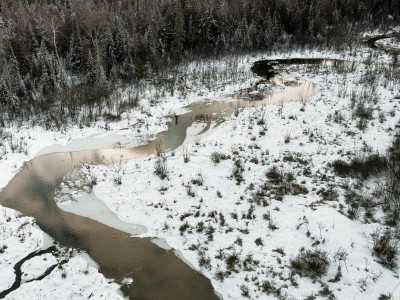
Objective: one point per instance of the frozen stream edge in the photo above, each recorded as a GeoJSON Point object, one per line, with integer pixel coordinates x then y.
{"type": "Point", "coordinates": [90, 206]}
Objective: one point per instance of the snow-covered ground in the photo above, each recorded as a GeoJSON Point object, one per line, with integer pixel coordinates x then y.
{"type": "Point", "coordinates": [241, 228]}
{"type": "Point", "coordinates": [232, 219]}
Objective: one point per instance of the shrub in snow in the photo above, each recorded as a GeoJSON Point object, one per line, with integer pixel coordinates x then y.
{"type": "Point", "coordinates": [360, 166]}
{"type": "Point", "coordinates": [385, 246]}
{"type": "Point", "coordinates": [216, 157]}
{"type": "Point", "coordinates": [311, 263]}
{"type": "Point", "coordinates": [160, 168]}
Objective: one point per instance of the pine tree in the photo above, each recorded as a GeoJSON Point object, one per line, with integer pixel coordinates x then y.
{"type": "Point", "coordinates": [122, 46]}
{"type": "Point", "coordinates": [139, 55]}
{"type": "Point", "coordinates": [179, 28]}
{"type": "Point", "coordinates": [75, 53]}
{"type": "Point", "coordinates": [152, 40]}
{"type": "Point", "coordinates": [101, 78]}
{"type": "Point", "coordinates": [154, 34]}
{"type": "Point", "coordinates": [16, 79]}
{"type": "Point", "coordinates": [44, 65]}
{"type": "Point", "coordinates": [4, 92]}
{"type": "Point", "coordinates": [108, 51]}
{"type": "Point", "coordinates": [91, 68]}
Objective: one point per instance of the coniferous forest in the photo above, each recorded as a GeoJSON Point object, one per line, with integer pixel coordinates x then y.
{"type": "Point", "coordinates": [58, 55]}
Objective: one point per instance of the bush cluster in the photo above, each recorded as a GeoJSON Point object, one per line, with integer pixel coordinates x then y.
{"type": "Point", "coordinates": [311, 263]}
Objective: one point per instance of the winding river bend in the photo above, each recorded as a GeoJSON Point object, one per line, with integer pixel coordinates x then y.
{"type": "Point", "coordinates": [157, 273]}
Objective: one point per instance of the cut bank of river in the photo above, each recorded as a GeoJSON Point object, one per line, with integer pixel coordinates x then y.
{"type": "Point", "coordinates": [157, 273]}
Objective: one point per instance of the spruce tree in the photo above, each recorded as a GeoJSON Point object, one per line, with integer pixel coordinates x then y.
{"type": "Point", "coordinates": [75, 53]}
{"type": "Point", "coordinates": [91, 68]}
{"type": "Point", "coordinates": [179, 29]}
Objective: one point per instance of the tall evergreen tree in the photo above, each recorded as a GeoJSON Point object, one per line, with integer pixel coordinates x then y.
{"type": "Point", "coordinates": [91, 68]}
{"type": "Point", "coordinates": [75, 53]}
{"type": "Point", "coordinates": [179, 28]}
{"type": "Point", "coordinates": [122, 45]}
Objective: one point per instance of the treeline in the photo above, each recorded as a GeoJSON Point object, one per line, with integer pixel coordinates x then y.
{"type": "Point", "coordinates": [57, 55]}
